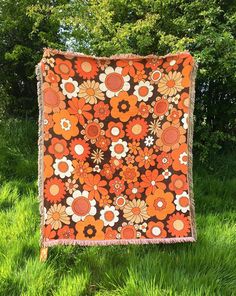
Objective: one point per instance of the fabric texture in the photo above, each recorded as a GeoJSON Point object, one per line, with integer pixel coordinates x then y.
{"type": "Point", "coordinates": [115, 148]}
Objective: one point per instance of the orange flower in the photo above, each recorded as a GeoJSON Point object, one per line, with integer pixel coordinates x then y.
{"type": "Point", "coordinates": [66, 233]}
{"type": "Point", "coordinates": [129, 173]}
{"type": "Point", "coordinates": [93, 130]}
{"type": "Point", "coordinates": [156, 230]}
{"type": "Point", "coordinates": [54, 190]}
{"type": "Point", "coordinates": [95, 186]}
{"type": "Point", "coordinates": [180, 158]}
{"type": "Point", "coordinates": [174, 115]}
{"type": "Point", "coordinates": [79, 149]}
{"type": "Point", "coordinates": [90, 229]}
{"type": "Point", "coordinates": [134, 147]}
{"type": "Point", "coordinates": [146, 158]}
{"type": "Point", "coordinates": [144, 109]}
{"type": "Point", "coordinates": [137, 129]}
{"type": "Point", "coordinates": [164, 160]}
{"type": "Point", "coordinates": [47, 164]}
{"type": "Point", "coordinates": [53, 98]}
{"type": "Point", "coordinates": [129, 66]}
{"type": "Point", "coordinates": [110, 233]}
{"type": "Point", "coordinates": [184, 102]}
{"type": "Point", "coordinates": [65, 124]}
{"type": "Point", "coordinates": [58, 148]}
{"type": "Point", "coordinates": [152, 181]}
{"type": "Point", "coordinates": [178, 225]}
{"type": "Point", "coordinates": [160, 107]}
{"type": "Point", "coordinates": [115, 131]}
{"type": "Point", "coordinates": [86, 67]}
{"type": "Point", "coordinates": [103, 143]}
{"type": "Point", "coordinates": [154, 63]}
{"type": "Point", "coordinates": [178, 183]}
{"type": "Point", "coordinates": [172, 63]}
{"type": "Point", "coordinates": [160, 204]}
{"type": "Point", "coordinates": [51, 77]}
{"type": "Point", "coordinates": [139, 76]}
{"type": "Point", "coordinates": [105, 201]}
{"type": "Point", "coordinates": [64, 68]}
{"type": "Point", "coordinates": [134, 190]}
{"type": "Point", "coordinates": [107, 171]}
{"type": "Point", "coordinates": [170, 136]}
{"type": "Point", "coordinates": [81, 170]}
{"type": "Point", "coordinates": [80, 109]}
{"type": "Point", "coordinates": [101, 110]}
{"type": "Point", "coordinates": [48, 233]}
{"type": "Point", "coordinates": [116, 163]}
{"type": "Point", "coordinates": [124, 106]}
{"type": "Point", "coordinates": [128, 231]}
{"type": "Point", "coordinates": [117, 186]}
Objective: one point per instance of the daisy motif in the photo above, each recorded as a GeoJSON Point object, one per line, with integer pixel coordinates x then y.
{"type": "Point", "coordinates": [109, 215]}
{"type": "Point", "coordinates": [166, 173]}
{"type": "Point", "coordinates": [80, 206]}
{"type": "Point", "coordinates": [143, 91]}
{"type": "Point", "coordinates": [63, 167]}
{"type": "Point", "coordinates": [149, 141]}
{"type": "Point", "coordinates": [113, 81]}
{"type": "Point", "coordinates": [69, 87]}
{"type": "Point", "coordinates": [119, 149]}
{"type": "Point", "coordinates": [182, 202]}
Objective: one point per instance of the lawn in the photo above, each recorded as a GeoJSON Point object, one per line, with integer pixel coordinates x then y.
{"type": "Point", "coordinates": [207, 267]}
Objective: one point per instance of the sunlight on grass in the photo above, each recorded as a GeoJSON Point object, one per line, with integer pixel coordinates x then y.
{"type": "Point", "coordinates": [203, 268]}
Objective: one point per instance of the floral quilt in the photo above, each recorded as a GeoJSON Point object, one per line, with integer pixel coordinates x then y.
{"type": "Point", "coordinates": [115, 148]}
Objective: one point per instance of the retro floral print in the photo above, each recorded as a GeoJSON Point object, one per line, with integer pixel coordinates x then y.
{"type": "Point", "coordinates": [116, 154]}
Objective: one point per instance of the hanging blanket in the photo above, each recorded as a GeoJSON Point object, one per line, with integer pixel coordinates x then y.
{"type": "Point", "coordinates": [115, 148]}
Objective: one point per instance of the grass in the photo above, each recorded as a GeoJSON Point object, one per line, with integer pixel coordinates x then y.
{"type": "Point", "coordinates": [207, 267]}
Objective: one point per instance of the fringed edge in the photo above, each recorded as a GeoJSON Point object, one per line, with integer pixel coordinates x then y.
{"type": "Point", "coordinates": [112, 57]}
{"type": "Point", "coordinates": [117, 242]}
{"type": "Point", "coordinates": [40, 149]}
{"type": "Point", "coordinates": [190, 149]}
{"type": "Point", "coordinates": [50, 243]}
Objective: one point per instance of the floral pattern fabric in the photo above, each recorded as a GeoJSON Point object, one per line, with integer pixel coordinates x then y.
{"type": "Point", "coordinates": [115, 165]}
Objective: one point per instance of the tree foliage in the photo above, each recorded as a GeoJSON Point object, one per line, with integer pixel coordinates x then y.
{"type": "Point", "coordinates": [105, 27]}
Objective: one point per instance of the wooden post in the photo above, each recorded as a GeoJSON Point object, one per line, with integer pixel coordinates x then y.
{"type": "Point", "coordinates": [43, 254]}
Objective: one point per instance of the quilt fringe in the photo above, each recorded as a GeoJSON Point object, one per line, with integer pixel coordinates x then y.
{"type": "Point", "coordinates": [45, 243]}
{"type": "Point", "coordinates": [40, 149]}
{"type": "Point", "coordinates": [190, 149]}
{"type": "Point", "coordinates": [69, 53]}
{"type": "Point", "coordinates": [117, 242]}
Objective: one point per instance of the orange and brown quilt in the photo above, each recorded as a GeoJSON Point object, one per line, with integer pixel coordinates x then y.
{"type": "Point", "coordinates": [115, 148]}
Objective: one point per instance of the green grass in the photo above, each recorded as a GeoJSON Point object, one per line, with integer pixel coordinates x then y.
{"type": "Point", "coordinates": [207, 267]}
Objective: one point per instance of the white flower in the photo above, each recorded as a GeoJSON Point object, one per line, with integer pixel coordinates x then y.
{"type": "Point", "coordinates": [175, 99]}
{"type": "Point", "coordinates": [183, 158]}
{"type": "Point", "coordinates": [80, 206]}
{"type": "Point", "coordinates": [119, 149]}
{"type": "Point", "coordinates": [143, 91]}
{"type": "Point", "coordinates": [109, 215]}
{"type": "Point", "coordinates": [113, 81]}
{"type": "Point", "coordinates": [182, 202]}
{"type": "Point", "coordinates": [96, 168]}
{"type": "Point", "coordinates": [166, 174]}
{"type": "Point", "coordinates": [185, 121]}
{"type": "Point", "coordinates": [69, 87]}
{"type": "Point", "coordinates": [143, 227]}
{"type": "Point", "coordinates": [149, 141]}
{"type": "Point", "coordinates": [63, 167]}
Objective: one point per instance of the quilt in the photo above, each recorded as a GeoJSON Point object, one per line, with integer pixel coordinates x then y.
{"type": "Point", "coordinates": [115, 148]}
